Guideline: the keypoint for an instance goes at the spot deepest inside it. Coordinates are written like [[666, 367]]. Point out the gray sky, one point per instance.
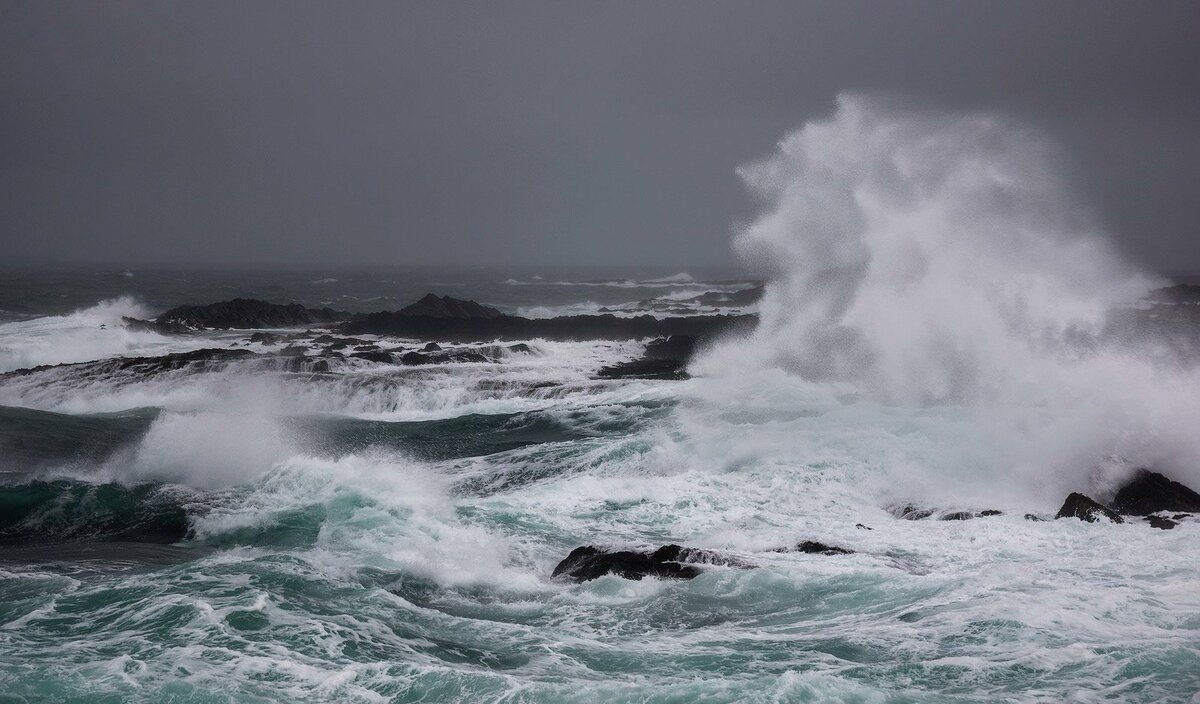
[[530, 132]]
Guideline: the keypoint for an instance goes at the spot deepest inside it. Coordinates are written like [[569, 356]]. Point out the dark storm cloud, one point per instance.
[[536, 132]]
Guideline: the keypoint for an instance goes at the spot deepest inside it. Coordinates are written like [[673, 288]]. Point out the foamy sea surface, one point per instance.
[[381, 533]]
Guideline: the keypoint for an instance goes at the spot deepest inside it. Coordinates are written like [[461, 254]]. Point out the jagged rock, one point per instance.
[[957, 516], [1160, 522], [448, 319], [1149, 492], [521, 347], [246, 313], [989, 512], [432, 306], [588, 562], [265, 338], [812, 547], [860, 526], [664, 358], [1084, 508], [372, 356], [668, 562]]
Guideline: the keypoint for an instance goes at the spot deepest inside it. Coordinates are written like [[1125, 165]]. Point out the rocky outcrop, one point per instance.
[[664, 358], [245, 313], [812, 547], [668, 562], [1085, 509], [589, 562], [1145, 494], [1150, 492], [447, 319], [433, 306]]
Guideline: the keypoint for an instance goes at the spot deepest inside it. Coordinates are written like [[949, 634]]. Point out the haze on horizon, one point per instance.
[[285, 133]]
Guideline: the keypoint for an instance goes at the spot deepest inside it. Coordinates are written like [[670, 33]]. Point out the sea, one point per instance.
[[928, 338]]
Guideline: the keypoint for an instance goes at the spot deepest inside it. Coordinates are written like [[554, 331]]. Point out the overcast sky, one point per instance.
[[514, 132]]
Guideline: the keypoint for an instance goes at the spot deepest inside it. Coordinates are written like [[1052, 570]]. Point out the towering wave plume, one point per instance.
[[926, 259]]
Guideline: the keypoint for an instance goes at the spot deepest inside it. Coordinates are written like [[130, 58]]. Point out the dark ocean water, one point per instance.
[[241, 533]]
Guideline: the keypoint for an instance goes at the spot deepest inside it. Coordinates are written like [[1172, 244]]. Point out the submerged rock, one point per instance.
[[1160, 522], [1150, 492], [1084, 508]]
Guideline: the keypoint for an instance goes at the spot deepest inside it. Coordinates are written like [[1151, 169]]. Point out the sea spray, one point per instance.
[[927, 259]]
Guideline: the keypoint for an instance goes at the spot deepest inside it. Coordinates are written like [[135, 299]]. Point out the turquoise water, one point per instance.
[[387, 534]]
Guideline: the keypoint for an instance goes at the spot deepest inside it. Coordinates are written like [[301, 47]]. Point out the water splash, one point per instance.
[[927, 259]]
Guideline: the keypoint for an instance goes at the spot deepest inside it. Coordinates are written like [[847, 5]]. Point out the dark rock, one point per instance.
[[247, 313], [989, 512], [1079, 506], [1031, 517], [667, 369], [860, 526], [589, 562], [414, 358], [521, 347], [812, 547], [431, 306], [957, 516], [265, 338], [1160, 522], [448, 319], [293, 351], [380, 357], [1149, 492], [366, 348], [431, 347], [664, 358]]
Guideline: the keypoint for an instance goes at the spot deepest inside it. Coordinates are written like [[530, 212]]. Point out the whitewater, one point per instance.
[[934, 331]]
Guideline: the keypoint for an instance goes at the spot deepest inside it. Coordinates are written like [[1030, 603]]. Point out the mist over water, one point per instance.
[[935, 260]]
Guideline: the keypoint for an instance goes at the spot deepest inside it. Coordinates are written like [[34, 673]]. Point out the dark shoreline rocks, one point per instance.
[[245, 314], [664, 358], [438, 318], [511, 327], [1146, 493], [1086, 509], [1150, 492]]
